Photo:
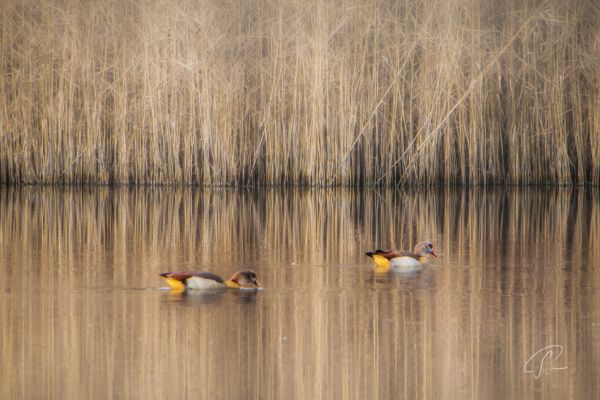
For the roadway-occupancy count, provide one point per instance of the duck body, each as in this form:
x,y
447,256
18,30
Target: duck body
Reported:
x,y
199,283
406,263
207,280
401,261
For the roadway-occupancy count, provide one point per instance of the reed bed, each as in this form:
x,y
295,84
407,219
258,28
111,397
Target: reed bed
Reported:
x,y
300,92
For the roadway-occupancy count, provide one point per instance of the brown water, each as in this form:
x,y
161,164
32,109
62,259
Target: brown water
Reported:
x,y
82,315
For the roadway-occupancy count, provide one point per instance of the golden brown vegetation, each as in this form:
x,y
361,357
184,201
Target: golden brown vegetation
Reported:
x,y
300,92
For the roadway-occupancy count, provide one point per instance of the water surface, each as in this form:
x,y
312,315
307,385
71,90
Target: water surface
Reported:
x,y
82,315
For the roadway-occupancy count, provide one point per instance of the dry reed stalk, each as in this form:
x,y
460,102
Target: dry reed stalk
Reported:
x,y
299,93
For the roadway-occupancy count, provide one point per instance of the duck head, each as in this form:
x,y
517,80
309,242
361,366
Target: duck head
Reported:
x,y
424,248
245,280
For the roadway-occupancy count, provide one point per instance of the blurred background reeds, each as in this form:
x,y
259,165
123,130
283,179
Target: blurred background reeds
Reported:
x,y
80,315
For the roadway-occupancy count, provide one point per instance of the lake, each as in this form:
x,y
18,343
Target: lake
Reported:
x,y
84,314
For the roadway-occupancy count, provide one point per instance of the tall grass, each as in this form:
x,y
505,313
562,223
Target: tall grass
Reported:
x,y
300,92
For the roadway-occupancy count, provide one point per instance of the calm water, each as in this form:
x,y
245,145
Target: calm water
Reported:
x,y
82,315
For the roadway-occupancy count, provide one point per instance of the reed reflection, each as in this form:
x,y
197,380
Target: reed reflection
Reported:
x,y
81,314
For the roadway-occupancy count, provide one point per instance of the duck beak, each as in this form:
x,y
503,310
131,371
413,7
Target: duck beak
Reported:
x,y
252,286
433,253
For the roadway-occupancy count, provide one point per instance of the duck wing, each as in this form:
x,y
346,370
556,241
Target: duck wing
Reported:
x,y
178,276
391,254
184,276
209,275
398,254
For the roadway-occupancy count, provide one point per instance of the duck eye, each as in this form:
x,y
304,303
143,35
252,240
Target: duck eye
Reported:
x,y
430,245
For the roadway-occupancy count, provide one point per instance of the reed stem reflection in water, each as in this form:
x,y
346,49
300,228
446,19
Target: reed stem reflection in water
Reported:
x,y
80,317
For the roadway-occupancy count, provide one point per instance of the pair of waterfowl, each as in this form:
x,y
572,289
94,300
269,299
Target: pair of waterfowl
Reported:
x,y
385,260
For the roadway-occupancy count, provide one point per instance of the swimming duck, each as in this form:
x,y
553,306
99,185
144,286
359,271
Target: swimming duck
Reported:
x,y
401,261
208,280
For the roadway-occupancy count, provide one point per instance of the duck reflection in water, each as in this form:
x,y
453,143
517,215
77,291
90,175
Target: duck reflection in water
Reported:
x,y
211,296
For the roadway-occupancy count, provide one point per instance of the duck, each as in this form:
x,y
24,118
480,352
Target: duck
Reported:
x,y
402,261
180,281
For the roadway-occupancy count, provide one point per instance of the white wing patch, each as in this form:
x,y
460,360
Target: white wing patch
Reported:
x,y
405,264
195,282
